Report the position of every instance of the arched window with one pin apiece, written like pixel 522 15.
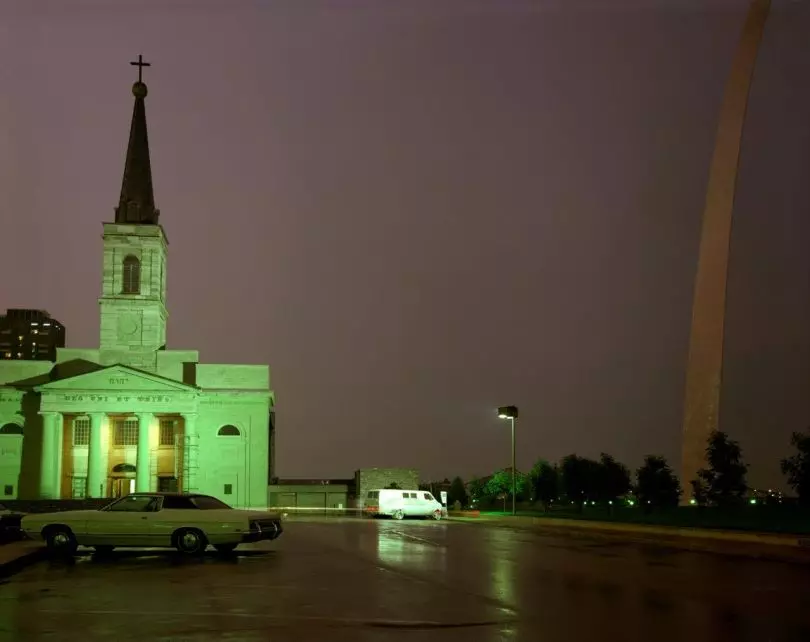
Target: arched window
pixel 229 431
pixel 123 468
pixel 11 429
pixel 132 275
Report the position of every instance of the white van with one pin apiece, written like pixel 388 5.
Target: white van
pixel 402 503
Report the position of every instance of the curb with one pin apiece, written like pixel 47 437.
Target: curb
pixel 678 536
pixel 29 553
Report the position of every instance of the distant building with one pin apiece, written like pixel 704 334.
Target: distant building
pixel 367 479
pixel 311 494
pixel 31 335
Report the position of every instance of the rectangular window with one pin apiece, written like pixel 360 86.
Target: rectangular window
pixel 428 497
pixel 81 431
pixel 126 432
pixel 167 427
pixel 79 487
pixel 228 489
pixel 9 490
pixel 167 485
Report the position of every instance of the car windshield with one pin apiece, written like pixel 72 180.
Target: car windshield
pixel 204 502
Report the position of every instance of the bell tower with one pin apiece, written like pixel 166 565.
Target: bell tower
pixel 133 293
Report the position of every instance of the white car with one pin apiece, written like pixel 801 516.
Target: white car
pixel 402 503
pixel 187 522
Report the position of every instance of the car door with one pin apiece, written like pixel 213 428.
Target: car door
pixel 127 522
pixel 428 504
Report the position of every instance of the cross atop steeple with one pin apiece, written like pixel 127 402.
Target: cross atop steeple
pixel 140 64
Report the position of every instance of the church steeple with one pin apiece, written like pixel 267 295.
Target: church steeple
pixel 137 202
pixel 133 286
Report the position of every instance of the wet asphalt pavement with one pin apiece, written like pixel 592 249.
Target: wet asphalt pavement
pixel 364 580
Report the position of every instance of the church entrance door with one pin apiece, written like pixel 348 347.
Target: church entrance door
pixel 122 486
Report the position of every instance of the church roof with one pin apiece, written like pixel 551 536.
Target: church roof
pixel 80 371
pixel 137 202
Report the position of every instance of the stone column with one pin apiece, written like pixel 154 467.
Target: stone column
pixel 51 450
pixel 190 454
pixel 143 464
pixel 60 440
pixel 95 466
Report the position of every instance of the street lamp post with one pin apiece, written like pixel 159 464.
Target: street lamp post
pixel 511 413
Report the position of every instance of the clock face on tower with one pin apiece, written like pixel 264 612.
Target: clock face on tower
pixel 129 324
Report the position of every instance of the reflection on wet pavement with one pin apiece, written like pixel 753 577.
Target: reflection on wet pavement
pixel 384 580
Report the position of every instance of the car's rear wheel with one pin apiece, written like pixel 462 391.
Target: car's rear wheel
pixel 190 541
pixel 397 514
pixel 60 539
pixel 225 548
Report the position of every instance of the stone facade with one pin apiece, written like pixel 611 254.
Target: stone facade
pixel 131 415
pixel 367 479
pixel 133 323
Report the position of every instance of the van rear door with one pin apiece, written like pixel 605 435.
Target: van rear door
pixel 371 506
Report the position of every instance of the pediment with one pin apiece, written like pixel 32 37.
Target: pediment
pixel 117 378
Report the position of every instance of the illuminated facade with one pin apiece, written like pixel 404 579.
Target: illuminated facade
pixel 132 415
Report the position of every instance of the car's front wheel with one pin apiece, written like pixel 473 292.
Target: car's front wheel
pixel 60 539
pixel 190 541
pixel 437 515
pixel 225 548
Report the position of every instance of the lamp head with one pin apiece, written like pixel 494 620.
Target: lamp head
pixel 507 412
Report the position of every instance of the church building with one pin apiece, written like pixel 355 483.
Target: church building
pixel 131 415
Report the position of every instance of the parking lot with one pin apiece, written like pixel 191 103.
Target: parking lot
pixel 334 579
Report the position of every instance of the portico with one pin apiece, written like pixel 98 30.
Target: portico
pixel 117 424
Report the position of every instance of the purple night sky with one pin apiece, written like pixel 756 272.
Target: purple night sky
pixel 417 211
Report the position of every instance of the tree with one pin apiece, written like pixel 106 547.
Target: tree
pixel 393 485
pixel 500 484
pixel 579 478
pixel 613 479
pixel 797 467
pixel 545 482
pixel 656 484
pixel 723 482
pixel 477 489
pixel 457 492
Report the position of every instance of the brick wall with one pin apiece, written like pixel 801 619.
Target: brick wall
pixel 367 479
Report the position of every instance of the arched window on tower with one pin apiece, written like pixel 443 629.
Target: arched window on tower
pixel 229 431
pixel 132 275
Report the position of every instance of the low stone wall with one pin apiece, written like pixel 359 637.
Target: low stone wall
pixel 54 505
